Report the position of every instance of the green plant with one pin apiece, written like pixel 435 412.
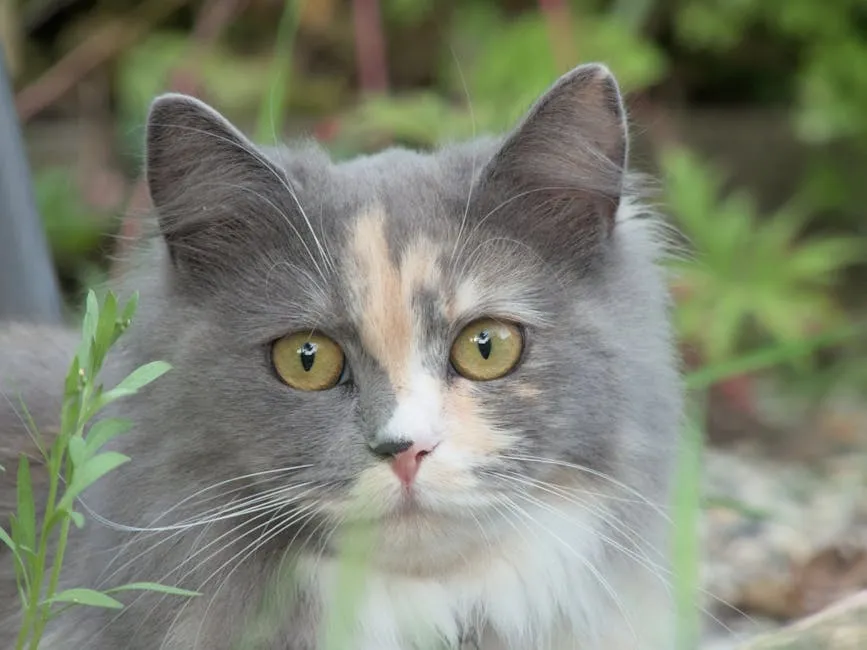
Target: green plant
pixel 831 92
pixel 750 278
pixel 75 461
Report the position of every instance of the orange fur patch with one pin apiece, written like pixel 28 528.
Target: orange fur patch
pixel 468 427
pixel 386 292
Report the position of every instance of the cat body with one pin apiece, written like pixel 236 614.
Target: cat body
pixel 418 497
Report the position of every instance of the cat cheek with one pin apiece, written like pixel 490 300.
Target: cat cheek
pixel 470 431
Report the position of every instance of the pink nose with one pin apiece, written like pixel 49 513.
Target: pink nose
pixel 406 463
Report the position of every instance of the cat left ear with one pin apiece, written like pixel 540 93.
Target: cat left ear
pixel 561 171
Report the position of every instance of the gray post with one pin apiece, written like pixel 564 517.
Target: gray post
pixel 29 289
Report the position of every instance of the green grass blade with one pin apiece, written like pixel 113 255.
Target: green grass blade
pixel 685 545
pixel 273 106
pixel 768 357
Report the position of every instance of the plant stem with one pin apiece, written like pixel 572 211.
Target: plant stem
pixel 36 616
pixel 31 616
pixel 22 633
pixel 52 585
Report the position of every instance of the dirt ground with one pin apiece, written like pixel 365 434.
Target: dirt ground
pixel 784 533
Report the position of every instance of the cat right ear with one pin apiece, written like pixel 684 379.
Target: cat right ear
pixel 209 185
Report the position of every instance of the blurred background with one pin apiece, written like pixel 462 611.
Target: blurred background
pixel 752 115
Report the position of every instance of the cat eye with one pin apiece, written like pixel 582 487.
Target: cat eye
pixel 487 349
pixel 308 361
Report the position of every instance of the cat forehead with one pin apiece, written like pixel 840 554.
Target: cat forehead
pixel 416 189
pixel 388 273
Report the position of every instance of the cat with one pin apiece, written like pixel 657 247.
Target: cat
pixel 417 399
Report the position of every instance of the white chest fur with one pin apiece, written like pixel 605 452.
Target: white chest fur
pixel 550 585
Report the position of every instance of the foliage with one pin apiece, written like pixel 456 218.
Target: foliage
pixel 74 460
pixel 832 88
pixel 748 275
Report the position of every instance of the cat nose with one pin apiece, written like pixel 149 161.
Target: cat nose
pixel 391 447
pixel 406 457
pixel 407 462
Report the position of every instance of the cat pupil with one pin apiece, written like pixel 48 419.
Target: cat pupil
pixel 483 340
pixel 307 353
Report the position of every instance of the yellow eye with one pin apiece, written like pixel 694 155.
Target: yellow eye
pixel 308 361
pixel 487 349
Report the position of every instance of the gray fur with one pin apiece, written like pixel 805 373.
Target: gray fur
pixel 237 265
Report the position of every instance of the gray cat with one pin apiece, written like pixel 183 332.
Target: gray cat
pixel 418 400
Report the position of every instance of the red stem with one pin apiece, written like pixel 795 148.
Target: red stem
pixel 370 46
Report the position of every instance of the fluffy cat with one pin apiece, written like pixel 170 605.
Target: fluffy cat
pixel 420 400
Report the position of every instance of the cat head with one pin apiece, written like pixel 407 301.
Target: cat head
pixel 410 338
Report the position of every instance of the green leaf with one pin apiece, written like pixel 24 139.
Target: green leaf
pixel 77 451
pixel 73 377
pixel 4 537
pixel 92 470
pixel 130 308
pixel 26 514
pixel 77 518
pixel 88 332
pixel 137 379
pixel 105 329
pixel 20 568
pixel 103 431
pixel 153 586
pixel 88 597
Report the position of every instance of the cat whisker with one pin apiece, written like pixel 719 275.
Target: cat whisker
pixel 599 510
pixel 585 562
pixel 234 530
pixel 317 509
pixel 302 515
pixel 243 508
pixel 662 573
pixel 237 507
pixel 593 472
pixel 575 490
pixel 262 526
pixel 246 477
pixel 641 559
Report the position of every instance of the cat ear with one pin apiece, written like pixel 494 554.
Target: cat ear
pixel 210 186
pixel 560 173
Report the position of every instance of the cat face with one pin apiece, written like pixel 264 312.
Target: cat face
pixel 416 340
